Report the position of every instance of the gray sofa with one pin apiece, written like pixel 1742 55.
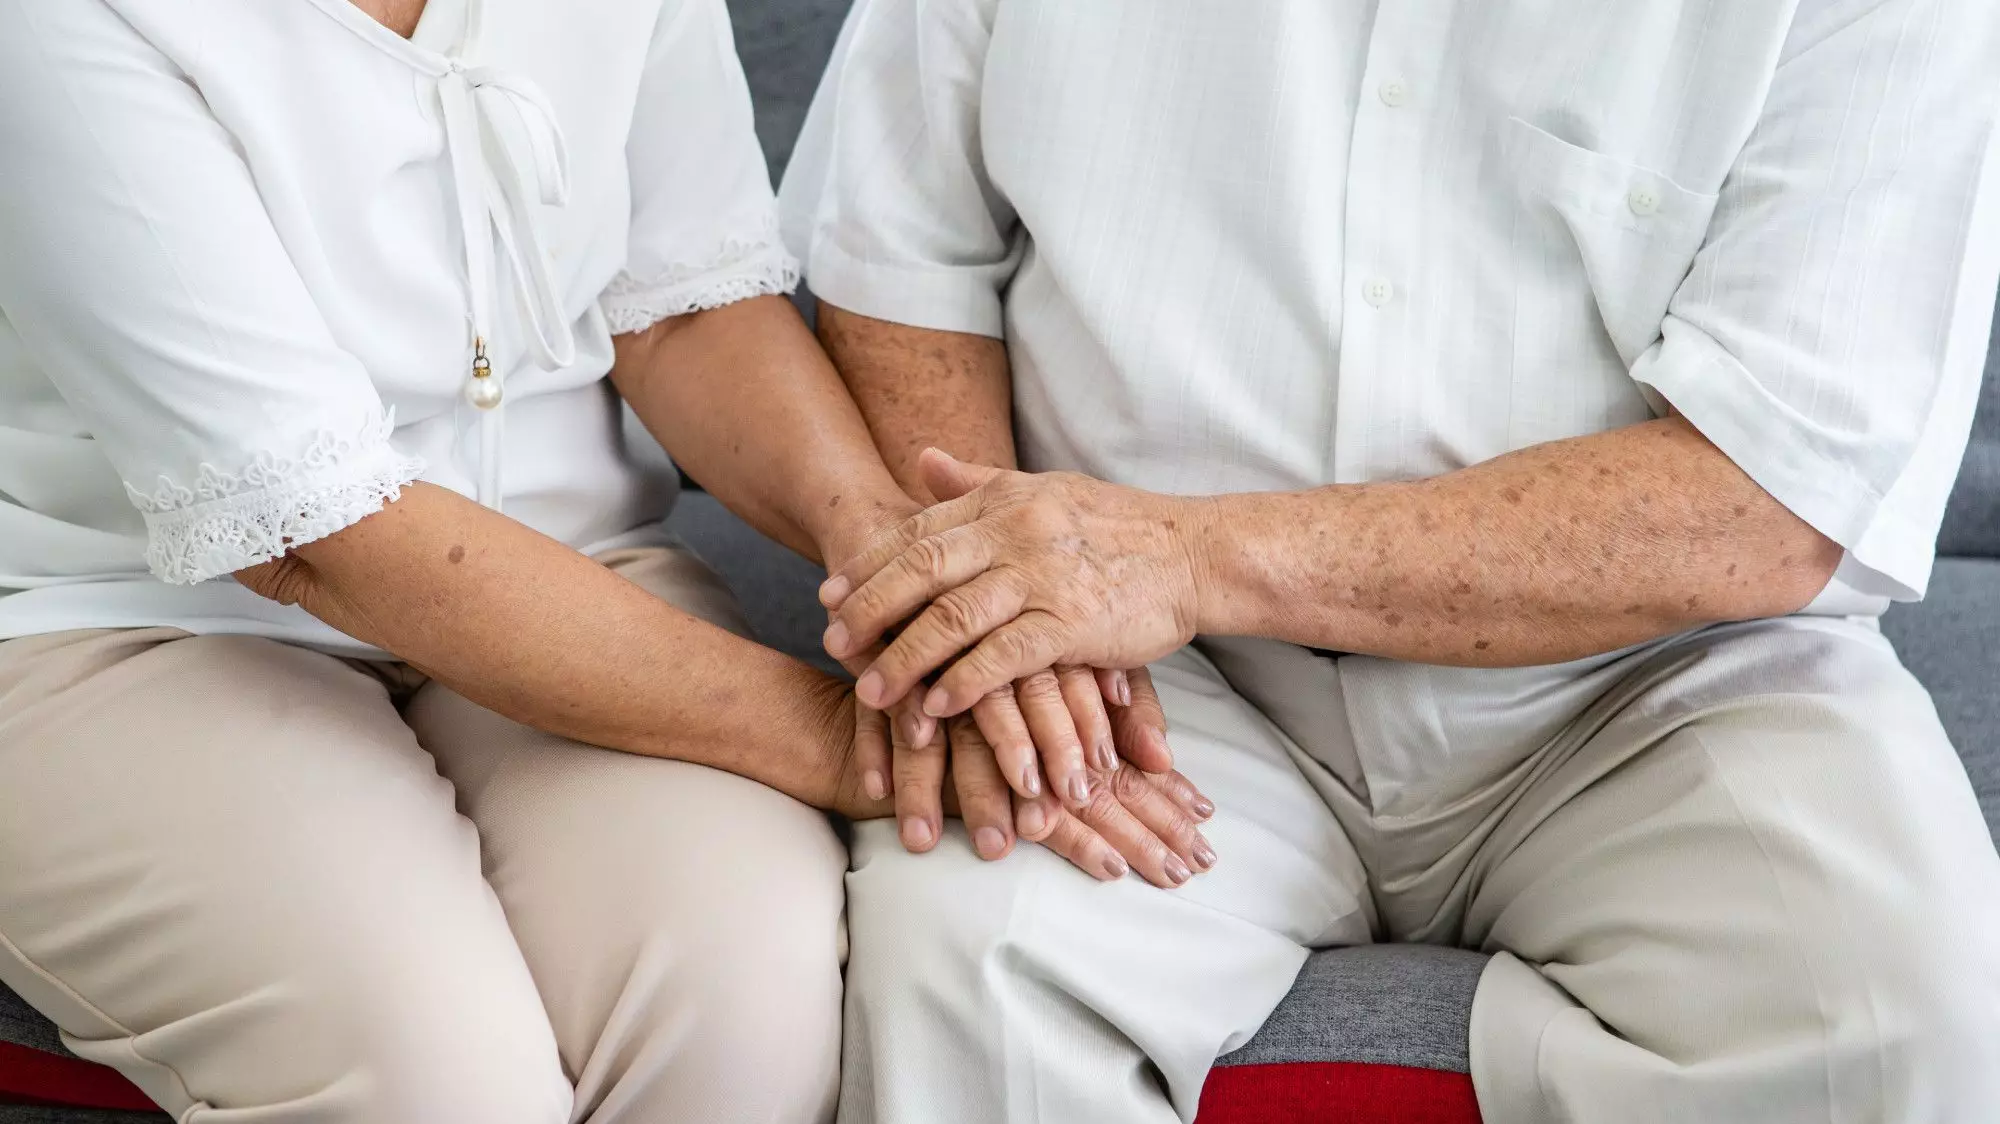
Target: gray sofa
pixel 1400 1007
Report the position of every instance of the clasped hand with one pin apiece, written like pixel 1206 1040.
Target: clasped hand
pixel 941 571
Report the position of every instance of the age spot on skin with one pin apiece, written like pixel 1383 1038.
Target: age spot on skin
pixel 1511 493
pixel 455 555
pixel 1482 645
pixel 1742 509
pixel 1732 569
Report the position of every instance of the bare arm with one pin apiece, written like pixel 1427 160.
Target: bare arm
pixel 1547 554
pixel 524 625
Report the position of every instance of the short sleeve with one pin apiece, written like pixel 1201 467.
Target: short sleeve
pixel 704 230
pixel 143 275
pixel 1831 335
pixel 887 199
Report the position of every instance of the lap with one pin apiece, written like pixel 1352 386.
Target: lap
pixel 215 843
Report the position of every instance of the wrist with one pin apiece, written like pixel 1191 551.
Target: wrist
pixel 846 528
pixel 1229 551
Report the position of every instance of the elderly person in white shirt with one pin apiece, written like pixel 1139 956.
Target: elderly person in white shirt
pixel 284 288
pixel 1525 409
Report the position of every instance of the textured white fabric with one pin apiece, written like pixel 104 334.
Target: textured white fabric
pixel 1278 245
pixel 234 246
pixel 1735 877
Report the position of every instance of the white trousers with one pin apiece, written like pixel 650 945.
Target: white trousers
pixel 274 887
pixel 1735 876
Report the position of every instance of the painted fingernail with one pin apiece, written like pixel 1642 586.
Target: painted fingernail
pixel 870 687
pixel 834 590
pixel 916 832
pixel 836 639
pixel 875 784
pixel 936 702
pixel 917 728
pixel 1031 779
pixel 989 841
pixel 1204 807
pixel 1107 757
pixel 1122 687
pixel 1204 855
pixel 1115 866
pixel 1031 821
pixel 1177 871
pixel 1079 790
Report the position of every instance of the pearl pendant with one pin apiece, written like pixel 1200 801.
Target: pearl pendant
pixel 483 392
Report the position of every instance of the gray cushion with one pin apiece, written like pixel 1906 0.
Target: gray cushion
pixel 1951 641
pixel 1405 1005
pixel 1972 519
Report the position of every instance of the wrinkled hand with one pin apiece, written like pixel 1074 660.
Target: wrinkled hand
pixel 1026 571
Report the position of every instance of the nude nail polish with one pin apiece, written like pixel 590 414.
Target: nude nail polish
pixel 1115 866
pixel 1177 871
pixel 1079 790
pixel 1031 779
pixel 1204 855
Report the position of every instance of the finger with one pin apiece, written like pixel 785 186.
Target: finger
pixel 984 800
pixel 1085 700
pixel 916 727
pixel 1035 819
pixel 911 580
pixel 918 771
pixel 1182 791
pixel 1084 848
pixel 1151 856
pixel 855 572
pixel 1141 728
pixel 1047 714
pixel 1003 727
pixel 1150 802
pixel 871 751
pixel 947 477
pixel 1021 647
pixel 1113 683
pixel 957 620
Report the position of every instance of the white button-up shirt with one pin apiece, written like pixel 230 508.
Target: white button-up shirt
pixel 1282 244
pixel 247 246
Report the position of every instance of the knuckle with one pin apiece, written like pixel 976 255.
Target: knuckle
pixel 956 611
pixel 1128 786
pixel 928 557
pixel 1041 688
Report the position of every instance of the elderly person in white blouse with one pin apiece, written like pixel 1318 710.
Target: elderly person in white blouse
pixel 1526 408
pixel 285 287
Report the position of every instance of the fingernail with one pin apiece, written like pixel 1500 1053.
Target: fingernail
pixel 1107 757
pixel 834 590
pixel 870 687
pixel 1115 866
pixel 875 784
pixel 1032 821
pixel 836 639
pixel 1031 779
pixel 916 832
pixel 917 729
pixel 936 702
pixel 1204 807
pixel 989 841
pixel 1079 790
pixel 1177 871
pixel 1204 855
pixel 1123 689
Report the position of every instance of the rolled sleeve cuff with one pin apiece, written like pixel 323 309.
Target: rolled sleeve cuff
pixel 224 521
pixel 1816 474
pixel 941 299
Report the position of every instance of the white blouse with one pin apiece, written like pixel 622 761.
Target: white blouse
pixel 1290 243
pixel 263 262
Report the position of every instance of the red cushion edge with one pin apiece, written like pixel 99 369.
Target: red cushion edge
pixel 1336 1093
pixel 30 1076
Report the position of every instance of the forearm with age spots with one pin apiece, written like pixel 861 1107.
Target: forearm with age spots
pixel 1551 553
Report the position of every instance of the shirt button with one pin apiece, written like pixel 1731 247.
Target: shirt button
pixel 1378 292
pixel 1394 93
pixel 1644 201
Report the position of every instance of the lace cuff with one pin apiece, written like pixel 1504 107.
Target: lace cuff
pixel 738 269
pixel 225 521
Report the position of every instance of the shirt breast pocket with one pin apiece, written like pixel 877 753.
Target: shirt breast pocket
pixel 1632 231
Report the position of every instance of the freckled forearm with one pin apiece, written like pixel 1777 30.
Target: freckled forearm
pixel 1547 554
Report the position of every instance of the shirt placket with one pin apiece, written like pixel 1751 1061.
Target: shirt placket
pixel 1380 270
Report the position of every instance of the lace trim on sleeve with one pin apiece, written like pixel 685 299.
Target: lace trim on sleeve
pixel 738 269
pixel 224 521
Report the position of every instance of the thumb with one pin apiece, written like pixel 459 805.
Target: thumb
pixel 947 477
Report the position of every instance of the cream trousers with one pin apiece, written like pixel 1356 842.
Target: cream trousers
pixel 1737 876
pixel 273 886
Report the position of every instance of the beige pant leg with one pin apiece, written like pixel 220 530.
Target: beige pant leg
pixel 1025 992
pixel 1757 889
pixel 683 924
pixel 227 869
